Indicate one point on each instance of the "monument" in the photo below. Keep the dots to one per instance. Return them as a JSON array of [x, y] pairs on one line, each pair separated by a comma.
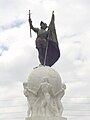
[[44, 88]]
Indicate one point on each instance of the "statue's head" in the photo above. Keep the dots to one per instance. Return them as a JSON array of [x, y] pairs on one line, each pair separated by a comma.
[[43, 25]]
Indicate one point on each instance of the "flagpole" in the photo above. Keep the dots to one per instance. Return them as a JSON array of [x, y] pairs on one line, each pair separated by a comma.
[[46, 51]]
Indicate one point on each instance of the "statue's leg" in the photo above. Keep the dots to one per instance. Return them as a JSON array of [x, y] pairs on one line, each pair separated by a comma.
[[41, 52], [40, 55]]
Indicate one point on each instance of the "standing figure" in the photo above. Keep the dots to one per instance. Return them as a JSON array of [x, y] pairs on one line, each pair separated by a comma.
[[42, 36], [46, 42], [31, 98], [26, 93], [47, 98]]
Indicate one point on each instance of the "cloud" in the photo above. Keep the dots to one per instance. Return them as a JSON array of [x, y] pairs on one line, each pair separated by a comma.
[[16, 23], [2, 49]]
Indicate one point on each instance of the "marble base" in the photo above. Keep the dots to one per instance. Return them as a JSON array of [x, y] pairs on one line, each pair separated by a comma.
[[45, 118]]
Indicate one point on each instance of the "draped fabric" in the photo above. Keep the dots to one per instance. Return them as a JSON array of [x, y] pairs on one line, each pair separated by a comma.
[[52, 30], [51, 53]]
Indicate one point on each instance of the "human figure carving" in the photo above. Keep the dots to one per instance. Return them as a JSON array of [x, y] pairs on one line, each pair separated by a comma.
[[26, 93], [30, 98], [47, 102]]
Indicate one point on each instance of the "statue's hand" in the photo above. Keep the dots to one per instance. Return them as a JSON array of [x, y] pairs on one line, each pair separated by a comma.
[[30, 22]]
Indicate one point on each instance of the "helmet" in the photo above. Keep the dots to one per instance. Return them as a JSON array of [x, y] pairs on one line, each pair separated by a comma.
[[43, 24]]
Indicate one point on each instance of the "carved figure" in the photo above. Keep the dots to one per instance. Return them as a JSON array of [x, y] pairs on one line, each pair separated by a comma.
[[46, 93], [30, 98]]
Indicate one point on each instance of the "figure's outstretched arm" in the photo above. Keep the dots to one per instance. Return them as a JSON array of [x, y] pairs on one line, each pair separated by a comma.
[[32, 27], [61, 92], [31, 91]]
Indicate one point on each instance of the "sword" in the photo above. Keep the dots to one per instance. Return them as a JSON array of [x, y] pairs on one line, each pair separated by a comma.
[[29, 22]]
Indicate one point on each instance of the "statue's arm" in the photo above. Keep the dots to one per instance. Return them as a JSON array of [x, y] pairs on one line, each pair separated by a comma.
[[62, 89], [31, 91], [32, 27], [35, 29], [61, 92]]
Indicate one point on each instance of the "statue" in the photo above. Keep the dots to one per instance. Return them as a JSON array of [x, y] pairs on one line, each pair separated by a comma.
[[44, 88], [46, 42]]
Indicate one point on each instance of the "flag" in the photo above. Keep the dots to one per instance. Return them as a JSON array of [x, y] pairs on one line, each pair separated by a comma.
[[53, 52]]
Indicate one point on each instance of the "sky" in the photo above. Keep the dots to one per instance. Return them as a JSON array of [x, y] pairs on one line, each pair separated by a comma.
[[18, 55]]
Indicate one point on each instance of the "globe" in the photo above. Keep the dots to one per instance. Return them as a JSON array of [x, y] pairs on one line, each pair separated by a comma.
[[39, 73]]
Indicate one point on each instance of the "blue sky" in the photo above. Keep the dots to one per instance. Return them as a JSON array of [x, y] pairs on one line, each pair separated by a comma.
[[16, 23], [72, 19]]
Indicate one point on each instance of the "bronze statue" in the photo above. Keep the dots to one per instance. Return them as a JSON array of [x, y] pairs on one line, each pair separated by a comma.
[[46, 42]]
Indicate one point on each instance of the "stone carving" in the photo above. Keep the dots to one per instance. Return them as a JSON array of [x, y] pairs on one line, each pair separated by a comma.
[[44, 101]]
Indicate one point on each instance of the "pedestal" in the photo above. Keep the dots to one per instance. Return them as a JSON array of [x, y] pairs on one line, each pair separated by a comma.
[[45, 118], [44, 90]]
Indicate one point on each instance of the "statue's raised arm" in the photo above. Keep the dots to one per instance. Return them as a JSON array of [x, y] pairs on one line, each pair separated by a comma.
[[31, 26]]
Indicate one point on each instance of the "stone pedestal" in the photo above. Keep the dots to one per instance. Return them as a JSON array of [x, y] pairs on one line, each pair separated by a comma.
[[44, 90], [45, 118]]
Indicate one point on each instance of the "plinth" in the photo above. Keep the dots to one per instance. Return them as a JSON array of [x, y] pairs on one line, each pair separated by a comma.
[[44, 90], [45, 118]]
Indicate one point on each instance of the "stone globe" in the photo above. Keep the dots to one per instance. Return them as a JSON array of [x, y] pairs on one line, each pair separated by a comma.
[[39, 73]]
